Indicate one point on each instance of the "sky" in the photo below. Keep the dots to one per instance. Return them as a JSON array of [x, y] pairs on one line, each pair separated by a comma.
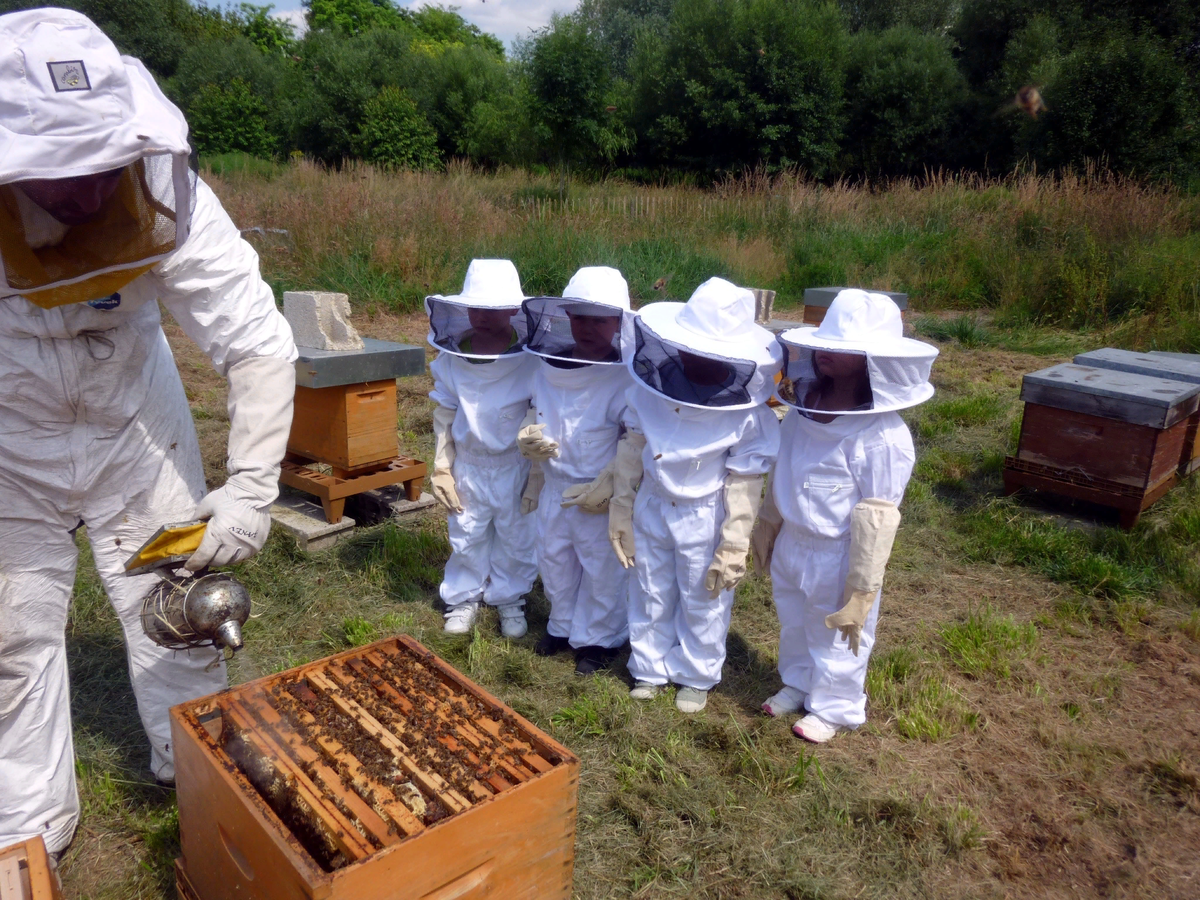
[[506, 19]]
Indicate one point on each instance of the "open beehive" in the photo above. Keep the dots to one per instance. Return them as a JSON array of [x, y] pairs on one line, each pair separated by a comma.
[[377, 773], [25, 872]]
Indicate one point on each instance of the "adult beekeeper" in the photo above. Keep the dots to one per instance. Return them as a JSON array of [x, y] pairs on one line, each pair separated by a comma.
[[100, 221]]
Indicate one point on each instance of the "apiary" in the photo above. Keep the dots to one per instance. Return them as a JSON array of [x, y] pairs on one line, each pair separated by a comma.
[[25, 872], [817, 300], [380, 772], [1172, 368], [1106, 436]]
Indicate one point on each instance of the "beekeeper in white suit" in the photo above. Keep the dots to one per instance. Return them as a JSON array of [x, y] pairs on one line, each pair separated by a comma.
[[700, 440], [825, 532], [579, 394], [482, 385], [100, 220]]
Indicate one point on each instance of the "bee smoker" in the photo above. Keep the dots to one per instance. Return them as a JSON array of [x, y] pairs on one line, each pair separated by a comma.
[[182, 613]]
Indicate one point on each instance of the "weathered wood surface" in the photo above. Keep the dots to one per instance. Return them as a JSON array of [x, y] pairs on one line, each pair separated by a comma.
[[1110, 394]]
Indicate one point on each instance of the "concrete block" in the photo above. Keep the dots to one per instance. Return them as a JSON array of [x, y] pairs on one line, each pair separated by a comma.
[[374, 507], [319, 320], [302, 517]]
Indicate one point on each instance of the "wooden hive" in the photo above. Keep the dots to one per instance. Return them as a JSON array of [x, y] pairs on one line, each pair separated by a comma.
[[1109, 437], [25, 872], [1173, 368], [380, 772], [817, 300]]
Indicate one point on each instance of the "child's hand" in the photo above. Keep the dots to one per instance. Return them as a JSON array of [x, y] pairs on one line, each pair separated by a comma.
[[849, 620], [441, 483], [727, 569], [592, 497], [533, 489], [533, 445], [620, 533]]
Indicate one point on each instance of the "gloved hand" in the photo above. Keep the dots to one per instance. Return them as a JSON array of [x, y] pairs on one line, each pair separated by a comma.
[[441, 482], [743, 494], [533, 488], [873, 526], [592, 497], [766, 530], [530, 441], [261, 389], [627, 474]]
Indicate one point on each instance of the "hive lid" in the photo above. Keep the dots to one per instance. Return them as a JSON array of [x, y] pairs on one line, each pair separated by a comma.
[[1187, 357], [1112, 394], [378, 360], [1143, 364], [823, 296]]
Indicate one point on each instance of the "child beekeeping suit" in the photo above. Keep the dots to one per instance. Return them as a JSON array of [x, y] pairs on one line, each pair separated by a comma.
[[482, 384], [579, 400], [700, 439], [827, 527], [100, 221]]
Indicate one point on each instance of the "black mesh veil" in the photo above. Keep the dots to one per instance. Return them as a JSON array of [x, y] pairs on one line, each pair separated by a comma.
[[451, 328], [689, 377], [577, 330], [805, 384]]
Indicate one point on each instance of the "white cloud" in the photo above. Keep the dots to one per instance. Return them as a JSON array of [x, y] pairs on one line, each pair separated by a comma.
[[295, 17]]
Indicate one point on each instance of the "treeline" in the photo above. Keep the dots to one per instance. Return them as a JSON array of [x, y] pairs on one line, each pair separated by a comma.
[[691, 89]]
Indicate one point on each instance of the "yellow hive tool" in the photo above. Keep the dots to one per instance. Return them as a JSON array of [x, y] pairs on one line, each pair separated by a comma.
[[168, 547]]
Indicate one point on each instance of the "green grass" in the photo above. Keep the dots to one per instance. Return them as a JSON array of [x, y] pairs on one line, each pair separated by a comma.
[[913, 691], [986, 643]]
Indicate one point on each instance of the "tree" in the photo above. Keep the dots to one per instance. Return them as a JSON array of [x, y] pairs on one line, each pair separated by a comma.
[[394, 134], [228, 118]]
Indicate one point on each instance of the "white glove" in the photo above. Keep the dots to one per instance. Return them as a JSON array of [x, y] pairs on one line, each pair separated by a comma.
[[530, 441], [766, 531], [592, 497], [873, 526], [743, 494], [441, 482], [260, 419], [533, 488], [627, 474]]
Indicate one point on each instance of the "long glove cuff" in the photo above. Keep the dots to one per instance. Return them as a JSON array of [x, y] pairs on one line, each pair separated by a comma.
[[261, 391]]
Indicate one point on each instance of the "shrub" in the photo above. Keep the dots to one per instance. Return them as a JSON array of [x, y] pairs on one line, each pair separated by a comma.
[[395, 134], [228, 118]]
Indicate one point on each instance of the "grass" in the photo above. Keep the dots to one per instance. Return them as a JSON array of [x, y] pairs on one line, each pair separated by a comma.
[[987, 644]]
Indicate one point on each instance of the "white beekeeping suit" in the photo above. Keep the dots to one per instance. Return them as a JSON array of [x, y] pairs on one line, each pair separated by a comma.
[[482, 384], [100, 221], [702, 437], [579, 401], [826, 530]]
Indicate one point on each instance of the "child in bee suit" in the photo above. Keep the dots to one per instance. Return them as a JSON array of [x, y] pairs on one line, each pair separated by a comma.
[[482, 384], [572, 432], [700, 439], [831, 514]]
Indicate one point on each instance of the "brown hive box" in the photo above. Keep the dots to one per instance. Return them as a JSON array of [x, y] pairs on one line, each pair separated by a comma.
[[380, 772], [817, 300], [348, 425], [25, 872]]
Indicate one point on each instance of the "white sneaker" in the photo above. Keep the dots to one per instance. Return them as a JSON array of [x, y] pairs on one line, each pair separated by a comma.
[[512, 621], [644, 690], [816, 730], [690, 699], [461, 619], [784, 703]]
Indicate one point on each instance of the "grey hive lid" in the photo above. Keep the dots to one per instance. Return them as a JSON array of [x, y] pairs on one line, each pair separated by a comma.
[[1143, 364], [1112, 394], [1186, 357], [823, 296], [377, 361]]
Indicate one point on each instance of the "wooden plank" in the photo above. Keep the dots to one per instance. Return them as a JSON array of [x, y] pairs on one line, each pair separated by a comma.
[[11, 883], [1110, 394], [1093, 446]]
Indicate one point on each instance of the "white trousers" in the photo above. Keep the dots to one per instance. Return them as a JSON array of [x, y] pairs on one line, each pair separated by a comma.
[[676, 630], [124, 483], [491, 543], [587, 587], [808, 575]]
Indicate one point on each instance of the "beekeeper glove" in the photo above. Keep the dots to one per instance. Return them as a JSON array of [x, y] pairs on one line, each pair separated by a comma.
[[873, 525], [592, 497], [766, 530], [530, 441], [441, 482], [533, 488], [261, 390], [743, 494], [627, 474]]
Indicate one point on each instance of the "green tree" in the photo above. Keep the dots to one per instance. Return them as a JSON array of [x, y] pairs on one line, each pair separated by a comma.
[[227, 118], [619, 24], [394, 134], [264, 31], [352, 16]]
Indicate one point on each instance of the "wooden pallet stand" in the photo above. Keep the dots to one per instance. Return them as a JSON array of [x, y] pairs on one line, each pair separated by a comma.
[[380, 773], [1108, 437], [817, 300], [25, 872], [335, 486]]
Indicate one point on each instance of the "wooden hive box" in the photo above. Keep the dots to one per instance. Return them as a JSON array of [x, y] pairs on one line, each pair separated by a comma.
[[377, 773], [1105, 436], [817, 300], [1172, 368], [25, 872], [347, 426]]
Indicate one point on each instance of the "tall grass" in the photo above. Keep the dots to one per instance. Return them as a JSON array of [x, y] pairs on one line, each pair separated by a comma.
[[1085, 250]]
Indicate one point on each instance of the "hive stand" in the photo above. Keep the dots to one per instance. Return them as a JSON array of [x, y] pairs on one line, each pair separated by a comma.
[[1108, 437], [345, 418], [817, 300], [25, 872]]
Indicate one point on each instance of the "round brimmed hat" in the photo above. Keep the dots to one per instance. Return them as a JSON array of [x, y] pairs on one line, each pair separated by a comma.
[[594, 291], [490, 284]]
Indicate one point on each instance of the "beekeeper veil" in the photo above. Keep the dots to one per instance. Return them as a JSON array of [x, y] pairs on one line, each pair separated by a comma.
[[485, 320], [590, 324], [857, 362], [706, 353], [94, 181]]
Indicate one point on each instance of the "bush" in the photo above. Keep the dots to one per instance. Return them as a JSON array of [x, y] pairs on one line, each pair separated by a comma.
[[224, 119], [394, 134]]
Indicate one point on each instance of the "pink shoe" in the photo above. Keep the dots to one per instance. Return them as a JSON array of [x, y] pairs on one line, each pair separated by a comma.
[[784, 703], [816, 730]]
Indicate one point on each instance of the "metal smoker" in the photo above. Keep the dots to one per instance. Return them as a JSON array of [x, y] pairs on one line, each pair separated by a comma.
[[182, 612]]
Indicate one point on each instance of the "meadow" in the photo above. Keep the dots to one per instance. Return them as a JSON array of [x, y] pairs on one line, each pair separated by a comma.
[[1034, 720]]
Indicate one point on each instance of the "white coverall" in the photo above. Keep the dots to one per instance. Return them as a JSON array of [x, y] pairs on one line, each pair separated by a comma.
[[492, 556], [95, 428], [587, 587], [823, 471], [676, 630]]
